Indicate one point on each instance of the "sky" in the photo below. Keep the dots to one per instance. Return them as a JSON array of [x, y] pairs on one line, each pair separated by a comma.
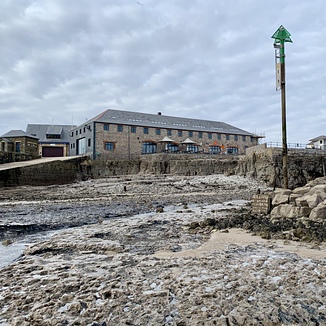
[[64, 62]]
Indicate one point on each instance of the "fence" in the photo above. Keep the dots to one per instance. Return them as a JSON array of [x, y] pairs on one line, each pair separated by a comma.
[[290, 145]]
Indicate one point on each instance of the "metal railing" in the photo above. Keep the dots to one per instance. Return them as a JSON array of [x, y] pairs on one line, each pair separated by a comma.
[[290, 145]]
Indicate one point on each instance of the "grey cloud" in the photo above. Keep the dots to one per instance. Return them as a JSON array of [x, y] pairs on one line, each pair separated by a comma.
[[197, 58]]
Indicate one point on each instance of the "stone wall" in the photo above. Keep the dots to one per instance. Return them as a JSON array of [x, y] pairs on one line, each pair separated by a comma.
[[55, 172], [265, 166]]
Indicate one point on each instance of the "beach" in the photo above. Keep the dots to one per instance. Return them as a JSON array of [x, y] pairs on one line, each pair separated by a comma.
[[126, 252]]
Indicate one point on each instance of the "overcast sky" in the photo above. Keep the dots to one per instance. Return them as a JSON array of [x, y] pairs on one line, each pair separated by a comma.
[[65, 61]]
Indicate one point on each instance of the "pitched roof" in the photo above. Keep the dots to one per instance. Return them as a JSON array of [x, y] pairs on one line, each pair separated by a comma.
[[54, 130], [41, 130], [18, 133], [164, 121], [317, 138]]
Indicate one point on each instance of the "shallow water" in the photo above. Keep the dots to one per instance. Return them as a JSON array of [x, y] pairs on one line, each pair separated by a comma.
[[12, 252]]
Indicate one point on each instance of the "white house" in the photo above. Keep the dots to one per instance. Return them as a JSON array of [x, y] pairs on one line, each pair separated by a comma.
[[318, 142]]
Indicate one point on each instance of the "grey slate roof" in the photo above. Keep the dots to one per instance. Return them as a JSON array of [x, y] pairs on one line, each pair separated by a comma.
[[41, 130], [54, 130], [168, 122], [18, 133], [317, 138]]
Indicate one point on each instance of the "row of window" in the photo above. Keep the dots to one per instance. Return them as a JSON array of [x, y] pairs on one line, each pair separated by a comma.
[[133, 129], [149, 148]]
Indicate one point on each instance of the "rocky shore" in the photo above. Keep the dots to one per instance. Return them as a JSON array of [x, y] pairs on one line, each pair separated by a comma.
[[156, 251]]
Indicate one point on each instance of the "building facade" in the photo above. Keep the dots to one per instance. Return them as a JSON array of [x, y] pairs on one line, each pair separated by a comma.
[[115, 133], [318, 142], [53, 139], [17, 145]]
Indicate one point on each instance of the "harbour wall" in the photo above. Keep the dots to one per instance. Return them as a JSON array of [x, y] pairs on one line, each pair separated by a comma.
[[263, 164]]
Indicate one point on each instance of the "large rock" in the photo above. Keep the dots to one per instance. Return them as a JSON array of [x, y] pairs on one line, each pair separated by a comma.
[[301, 190], [283, 191], [281, 211], [280, 199], [289, 211], [319, 212], [317, 181], [318, 189], [311, 201], [281, 196]]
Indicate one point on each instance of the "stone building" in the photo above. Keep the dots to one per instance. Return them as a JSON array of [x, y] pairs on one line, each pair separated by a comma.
[[53, 139], [124, 134], [17, 145]]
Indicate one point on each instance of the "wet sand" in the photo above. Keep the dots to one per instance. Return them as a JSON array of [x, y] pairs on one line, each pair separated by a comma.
[[221, 241]]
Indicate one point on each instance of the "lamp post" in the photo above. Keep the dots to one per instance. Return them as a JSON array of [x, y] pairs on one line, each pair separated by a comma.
[[281, 36]]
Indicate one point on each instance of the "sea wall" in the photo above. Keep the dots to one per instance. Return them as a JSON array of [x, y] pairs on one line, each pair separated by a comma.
[[47, 173], [265, 165]]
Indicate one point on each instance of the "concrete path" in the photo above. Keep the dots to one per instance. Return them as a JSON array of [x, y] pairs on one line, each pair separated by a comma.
[[12, 165]]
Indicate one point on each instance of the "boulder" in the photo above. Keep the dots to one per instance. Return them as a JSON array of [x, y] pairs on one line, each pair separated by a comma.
[[318, 189], [317, 181], [281, 211], [309, 200], [301, 190], [319, 212], [297, 212], [283, 191], [280, 199]]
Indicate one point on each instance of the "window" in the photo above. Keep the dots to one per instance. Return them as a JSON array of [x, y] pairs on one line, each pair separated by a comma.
[[50, 136], [106, 126], [235, 137], [145, 130], [179, 133], [109, 146], [251, 139], [17, 145], [158, 131], [192, 148], [120, 128], [244, 138], [76, 132], [200, 135], [148, 148], [227, 137], [219, 136], [133, 130], [89, 142], [210, 136], [215, 149], [189, 133], [172, 147], [232, 150], [169, 132], [84, 129]]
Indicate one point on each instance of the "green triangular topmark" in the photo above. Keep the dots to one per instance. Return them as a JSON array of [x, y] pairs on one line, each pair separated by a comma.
[[282, 35]]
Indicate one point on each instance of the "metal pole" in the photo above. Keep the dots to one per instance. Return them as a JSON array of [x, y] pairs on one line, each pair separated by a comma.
[[281, 36], [284, 138]]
